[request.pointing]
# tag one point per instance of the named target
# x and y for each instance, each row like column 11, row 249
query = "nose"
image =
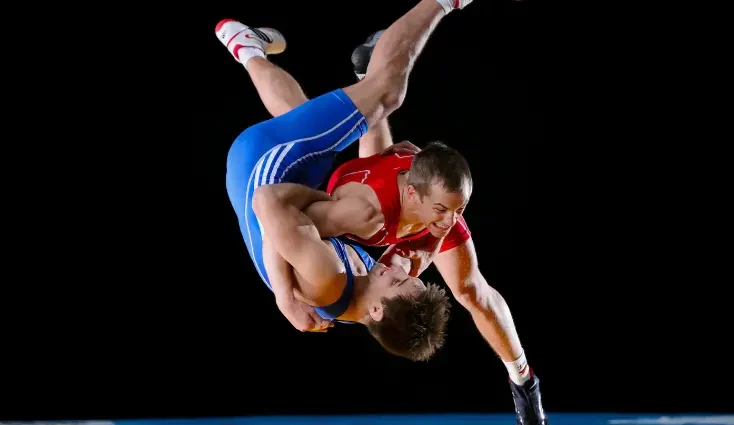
column 449, row 219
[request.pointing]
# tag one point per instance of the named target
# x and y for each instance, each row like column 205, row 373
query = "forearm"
column 280, row 273
column 277, row 209
column 493, row 318
column 298, row 195
column 377, row 139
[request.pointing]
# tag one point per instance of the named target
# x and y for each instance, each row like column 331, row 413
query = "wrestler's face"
column 391, row 281
column 438, row 209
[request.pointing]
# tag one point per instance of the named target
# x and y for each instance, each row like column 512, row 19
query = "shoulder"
column 326, row 284
column 377, row 163
column 333, row 287
column 390, row 163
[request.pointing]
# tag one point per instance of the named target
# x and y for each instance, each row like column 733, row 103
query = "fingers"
column 402, row 147
column 314, row 328
column 322, row 329
column 310, row 323
column 411, row 149
column 405, row 253
column 320, row 325
column 406, row 146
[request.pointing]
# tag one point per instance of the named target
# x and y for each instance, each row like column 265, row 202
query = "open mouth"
column 440, row 227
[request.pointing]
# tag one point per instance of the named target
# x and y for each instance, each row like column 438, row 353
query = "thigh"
column 281, row 148
column 296, row 147
column 311, row 136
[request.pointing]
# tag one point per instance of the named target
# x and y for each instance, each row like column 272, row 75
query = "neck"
column 358, row 310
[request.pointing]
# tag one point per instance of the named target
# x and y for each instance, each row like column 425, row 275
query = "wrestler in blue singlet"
column 297, row 147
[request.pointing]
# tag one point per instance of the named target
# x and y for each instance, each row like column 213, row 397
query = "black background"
column 586, row 216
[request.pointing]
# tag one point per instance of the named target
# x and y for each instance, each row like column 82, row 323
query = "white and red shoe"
column 449, row 5
column 235, row 36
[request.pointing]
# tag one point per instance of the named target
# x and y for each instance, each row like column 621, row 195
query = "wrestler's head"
column 439, row 187
column 407, row 317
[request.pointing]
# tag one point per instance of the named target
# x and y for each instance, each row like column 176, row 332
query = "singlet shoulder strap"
column 336, row 309
column 367, row 259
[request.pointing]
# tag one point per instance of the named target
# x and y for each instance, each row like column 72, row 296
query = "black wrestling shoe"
column 528, row 406
column 362, row 54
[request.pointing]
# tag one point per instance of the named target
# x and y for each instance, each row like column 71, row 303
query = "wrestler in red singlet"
column 380, row 172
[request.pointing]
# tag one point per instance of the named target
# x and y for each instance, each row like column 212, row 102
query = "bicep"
column 458, row 265
column 352, row 215
column 280, row 273
column 458, row 234
column 459, row 268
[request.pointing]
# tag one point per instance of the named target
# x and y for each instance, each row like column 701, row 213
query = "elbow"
column 476, row 294
column 261, row 198
column 371, row 215
column 365, row 223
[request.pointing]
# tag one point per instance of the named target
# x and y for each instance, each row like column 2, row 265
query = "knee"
column 394, row 93
column 250, row 134
column 376, row 96
column 391, row 90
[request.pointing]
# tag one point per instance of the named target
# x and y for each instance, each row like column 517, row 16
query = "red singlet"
column 380, row 172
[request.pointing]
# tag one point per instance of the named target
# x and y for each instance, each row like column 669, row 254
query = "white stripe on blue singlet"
column 260, row 174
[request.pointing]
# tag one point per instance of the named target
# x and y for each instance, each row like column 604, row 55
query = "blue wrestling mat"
column 441, row 419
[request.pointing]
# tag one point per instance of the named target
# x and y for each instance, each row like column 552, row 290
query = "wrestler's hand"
column 402, row 147
column 302, row 316
column 419, row 259
column 420, row 252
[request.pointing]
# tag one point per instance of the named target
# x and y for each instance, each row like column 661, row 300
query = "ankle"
column 248, row 56
column 447, row 5
column 255, row 63
column 519, row 370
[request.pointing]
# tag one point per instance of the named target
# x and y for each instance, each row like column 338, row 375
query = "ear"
column 376, row 312
column 412, row 193
column 468, row 189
